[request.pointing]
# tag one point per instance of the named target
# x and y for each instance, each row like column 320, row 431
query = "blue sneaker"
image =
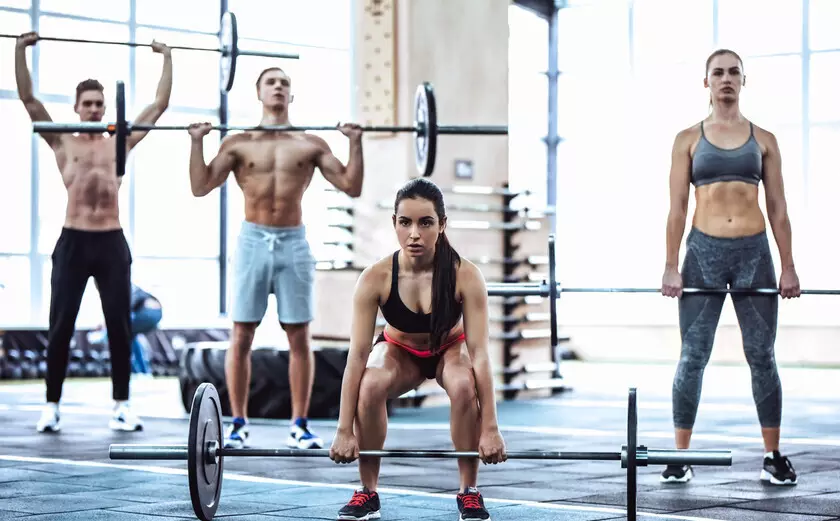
column 301, row 438
column 236, row 436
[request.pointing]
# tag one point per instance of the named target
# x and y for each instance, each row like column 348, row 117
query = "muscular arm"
column 205, row 178
column 365, row 303
column 679, row 182
column 153, row 112
column 347, row 178
column 777, row 213
column 34, row 107
column 476, row 328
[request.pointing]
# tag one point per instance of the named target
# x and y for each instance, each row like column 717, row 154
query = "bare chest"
column 83, row 156
column 281, row 155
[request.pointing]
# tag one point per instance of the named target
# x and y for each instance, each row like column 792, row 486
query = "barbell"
column 228, row 48
column 205, row 453
column 425, row 128
column 542, row 289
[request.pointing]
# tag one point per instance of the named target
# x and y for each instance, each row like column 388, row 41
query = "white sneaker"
column 300, row 437
column 236, row 436
column 125, row 420
column 50, row 420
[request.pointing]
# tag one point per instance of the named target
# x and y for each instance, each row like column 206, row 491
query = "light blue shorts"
column 273, row 260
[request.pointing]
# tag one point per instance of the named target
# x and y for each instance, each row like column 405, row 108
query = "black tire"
column 269, row 394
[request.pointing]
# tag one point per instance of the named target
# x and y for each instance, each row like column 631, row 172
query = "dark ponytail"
column 445, row 263
column 443, row 289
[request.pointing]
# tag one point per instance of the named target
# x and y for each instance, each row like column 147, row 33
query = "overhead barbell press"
column 205, row 453
column 425, row 128
column 228, row 48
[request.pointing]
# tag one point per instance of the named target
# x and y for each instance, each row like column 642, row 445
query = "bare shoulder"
column 766, row 139
column 686, row 137
column 318, row 141
column 374, row 279
column 470, row 278
column 231, row 141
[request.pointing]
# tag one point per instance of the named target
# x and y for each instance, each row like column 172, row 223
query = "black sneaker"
column 676, row 474
column 471, row 505
column 362, row 506
column 778, row 470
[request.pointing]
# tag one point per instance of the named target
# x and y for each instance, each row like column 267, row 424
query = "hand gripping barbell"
column 228, row 49
column 425, row 128
column 205, row 453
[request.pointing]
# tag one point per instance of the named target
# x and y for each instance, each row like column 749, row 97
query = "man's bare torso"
column 88, row 169
column 274, row 170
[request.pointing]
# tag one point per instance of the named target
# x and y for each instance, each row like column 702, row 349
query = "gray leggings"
column 715, row 262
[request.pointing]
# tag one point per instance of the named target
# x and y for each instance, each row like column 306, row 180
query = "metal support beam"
column 223, row 197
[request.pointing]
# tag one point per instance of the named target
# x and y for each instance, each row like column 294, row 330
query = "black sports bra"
column 398, row 315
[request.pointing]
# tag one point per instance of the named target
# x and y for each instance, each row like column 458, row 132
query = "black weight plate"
column 425, row 119
column 632, row 440
column 229, row 45
column 205, row 475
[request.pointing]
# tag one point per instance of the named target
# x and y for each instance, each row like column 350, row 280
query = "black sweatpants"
column 79, row 255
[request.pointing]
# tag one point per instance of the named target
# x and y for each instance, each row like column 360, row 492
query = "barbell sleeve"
column 81, row 127
column 483, row 130
column 720, row 458
column 147, row 452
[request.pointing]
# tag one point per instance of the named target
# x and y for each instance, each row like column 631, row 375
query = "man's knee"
column 242, row 338
column 298, row 335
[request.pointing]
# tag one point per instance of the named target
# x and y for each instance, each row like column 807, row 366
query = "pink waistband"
column 425, row 354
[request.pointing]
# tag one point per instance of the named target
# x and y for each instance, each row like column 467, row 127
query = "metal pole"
column 223, row 196
column 552, row 139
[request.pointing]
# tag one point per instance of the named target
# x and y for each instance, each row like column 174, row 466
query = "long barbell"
column 205, row 453
column 228, row 48
column 646, row 456
column 425, row 128
column 542, row 289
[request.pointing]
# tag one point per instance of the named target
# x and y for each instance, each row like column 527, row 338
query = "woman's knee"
column 460, row 387
column 373, row 389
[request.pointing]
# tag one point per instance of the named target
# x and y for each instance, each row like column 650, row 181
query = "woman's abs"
column 728, row 209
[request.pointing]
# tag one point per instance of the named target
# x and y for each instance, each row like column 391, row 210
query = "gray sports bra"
column 712, row 164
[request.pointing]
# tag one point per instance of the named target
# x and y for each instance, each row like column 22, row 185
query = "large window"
column 16, row 181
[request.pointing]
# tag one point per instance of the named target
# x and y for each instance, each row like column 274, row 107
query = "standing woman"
column 725, row 157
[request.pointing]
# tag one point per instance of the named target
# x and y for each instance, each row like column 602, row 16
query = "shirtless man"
column 273, row 169
column 91, row 243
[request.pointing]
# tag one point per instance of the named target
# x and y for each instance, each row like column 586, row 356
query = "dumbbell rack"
column 511, row 326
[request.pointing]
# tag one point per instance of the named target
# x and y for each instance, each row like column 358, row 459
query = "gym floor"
column 68, row 475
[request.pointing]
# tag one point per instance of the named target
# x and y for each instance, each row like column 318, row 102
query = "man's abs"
column 89, row 175
column 728, row 209
column 273, row 175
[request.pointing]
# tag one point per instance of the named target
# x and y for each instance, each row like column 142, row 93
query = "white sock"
column 769, row 455
column 53, row 406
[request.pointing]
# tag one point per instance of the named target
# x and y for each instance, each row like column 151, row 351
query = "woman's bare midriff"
column 420, row 341
column 728, row 209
